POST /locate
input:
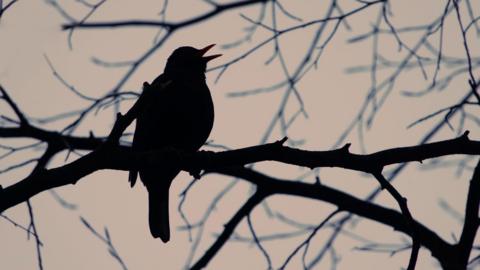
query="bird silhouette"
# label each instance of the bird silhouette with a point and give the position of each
(179, 115)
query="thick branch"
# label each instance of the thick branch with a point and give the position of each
(228, 230)
(341, 158)
(345, 202)
(472, 220)
(123, 158)
(53, 137)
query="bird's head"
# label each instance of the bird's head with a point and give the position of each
(189, 60)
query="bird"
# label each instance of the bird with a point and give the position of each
(180, 116)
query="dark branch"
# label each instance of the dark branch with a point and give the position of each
(402, 203)
(123, 158)
(169, 25)
(344, 202)
(13, 105)
(228, 230)
(472, 220)
(3, 9)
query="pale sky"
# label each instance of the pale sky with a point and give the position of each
(30, 31)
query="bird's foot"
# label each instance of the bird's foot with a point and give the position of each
(174, 156)
(196, 173)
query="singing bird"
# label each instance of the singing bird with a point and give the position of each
(179, 116)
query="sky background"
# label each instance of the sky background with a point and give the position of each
(30, 33)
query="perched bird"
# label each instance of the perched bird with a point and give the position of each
(179, 116)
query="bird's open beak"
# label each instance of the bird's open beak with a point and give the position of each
(210, 57)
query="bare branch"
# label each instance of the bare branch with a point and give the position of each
(107, 240)
(122, 158)
(472, 220)
(228, 230)
(7, 6)
(13, 106)
(168, 25)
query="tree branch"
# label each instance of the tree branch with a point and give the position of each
(169, 25)
(345, 202)
(472, 220)
(228, 229)
(13, 105)
(109, 155)
(402, 203)
(123, 158)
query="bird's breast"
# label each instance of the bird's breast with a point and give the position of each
(182, 117)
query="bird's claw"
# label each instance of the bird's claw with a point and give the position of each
(196, 173)
(207, 152)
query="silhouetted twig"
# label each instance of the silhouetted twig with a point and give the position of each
(7, 6)
(38, 242)
(107, 240)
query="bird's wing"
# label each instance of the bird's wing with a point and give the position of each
(143, 132)
(132, 174)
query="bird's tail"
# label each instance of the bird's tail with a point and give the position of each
(158, 217)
